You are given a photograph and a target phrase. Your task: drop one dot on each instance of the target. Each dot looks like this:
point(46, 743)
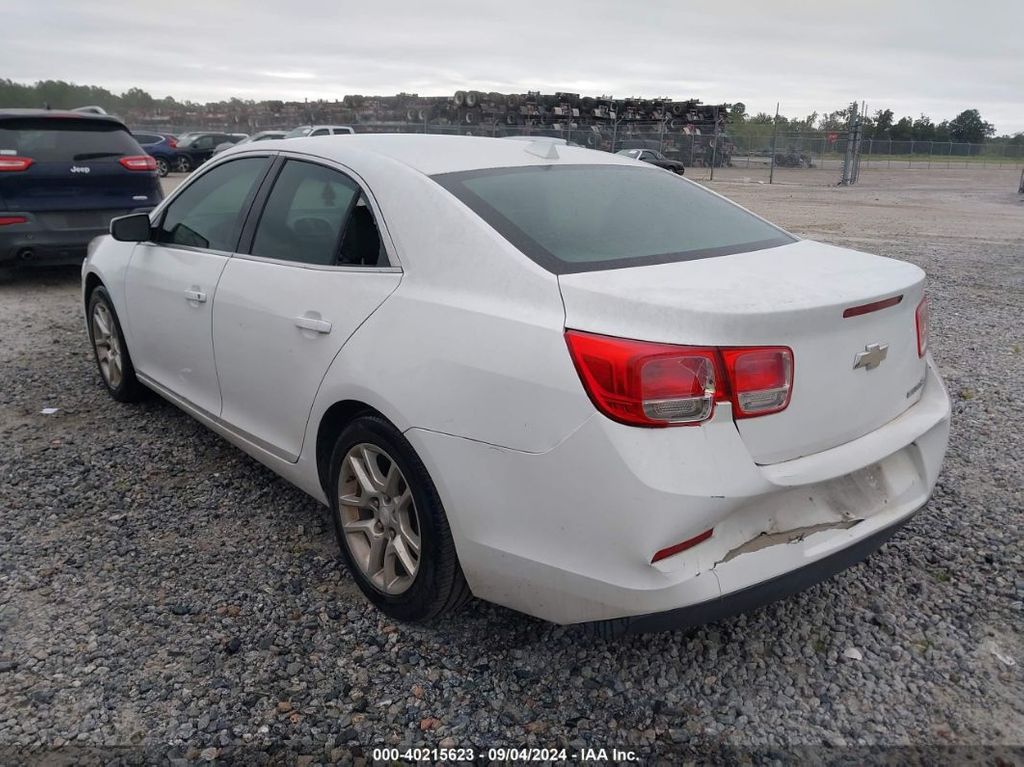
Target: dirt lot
point(159, 589)
point(980, 205)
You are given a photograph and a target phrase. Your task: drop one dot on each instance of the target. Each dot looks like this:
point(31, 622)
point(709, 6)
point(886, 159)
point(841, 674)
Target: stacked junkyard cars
point(686, 131)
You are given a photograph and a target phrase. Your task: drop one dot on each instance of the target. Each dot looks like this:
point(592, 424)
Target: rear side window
point(147, 138)
point(574, 218)
point(316, 215)
point(53, 139)
point(208, 214)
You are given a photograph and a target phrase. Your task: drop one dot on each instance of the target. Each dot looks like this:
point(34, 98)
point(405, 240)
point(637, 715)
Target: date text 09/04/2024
point(504, 754)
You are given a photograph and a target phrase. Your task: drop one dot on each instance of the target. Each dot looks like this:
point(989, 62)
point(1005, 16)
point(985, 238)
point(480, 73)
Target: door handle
point(314, 324)
point(195, 295)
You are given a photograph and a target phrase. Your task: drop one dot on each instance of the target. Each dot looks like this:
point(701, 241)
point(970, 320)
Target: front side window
point(208, 213)
point(573, 218)
point(316, 215)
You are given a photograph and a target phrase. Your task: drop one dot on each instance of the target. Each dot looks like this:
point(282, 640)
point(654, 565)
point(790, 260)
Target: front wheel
point(183, 164)
point(112, 358)
point(390, 524)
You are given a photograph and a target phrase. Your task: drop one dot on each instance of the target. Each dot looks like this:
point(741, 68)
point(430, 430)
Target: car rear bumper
point(754, 596)
point(569, 535)
point(52, 239)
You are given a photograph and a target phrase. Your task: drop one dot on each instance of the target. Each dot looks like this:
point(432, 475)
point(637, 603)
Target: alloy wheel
point(107, 343)
point(379, 519)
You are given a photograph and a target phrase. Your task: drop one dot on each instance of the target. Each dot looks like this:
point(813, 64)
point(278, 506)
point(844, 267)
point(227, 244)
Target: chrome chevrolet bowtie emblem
point(871, 357)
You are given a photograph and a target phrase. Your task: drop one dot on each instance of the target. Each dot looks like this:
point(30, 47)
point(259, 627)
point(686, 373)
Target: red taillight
point(646, 384)
point(139, 162)
point(8, 220)
point(683, 546)
point(761, 379)
point(172, 142)
point(649, 384)
point(921, 320)
point(10, 163)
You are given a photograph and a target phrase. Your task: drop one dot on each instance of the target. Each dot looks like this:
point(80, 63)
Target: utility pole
point(714, 147)
point(775, 134)
point(850, 161)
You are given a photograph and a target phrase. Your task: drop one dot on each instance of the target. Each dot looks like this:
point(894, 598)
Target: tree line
point(967, 127)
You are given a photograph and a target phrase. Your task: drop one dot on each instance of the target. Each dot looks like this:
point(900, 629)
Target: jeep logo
point(79, 169)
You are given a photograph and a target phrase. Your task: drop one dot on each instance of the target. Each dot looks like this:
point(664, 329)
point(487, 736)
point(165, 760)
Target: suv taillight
point(15, 164)
point(649, 384)
point(921, 320)
point(172, 142)
point(139, 162)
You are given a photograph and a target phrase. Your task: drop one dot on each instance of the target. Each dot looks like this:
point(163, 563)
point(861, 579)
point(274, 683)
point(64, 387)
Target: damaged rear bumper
point(751, 597)
point(569, 535)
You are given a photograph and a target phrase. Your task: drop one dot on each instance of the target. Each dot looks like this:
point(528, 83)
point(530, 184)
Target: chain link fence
point(706, 149)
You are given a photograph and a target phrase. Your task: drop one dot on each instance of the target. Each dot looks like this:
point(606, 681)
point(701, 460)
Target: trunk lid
point(795, 296)
point(55, 189)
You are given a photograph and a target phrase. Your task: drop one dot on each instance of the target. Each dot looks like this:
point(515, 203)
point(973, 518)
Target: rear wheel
point(183, 164)
point(162, 166)
point(390, 524)
point(112, 358)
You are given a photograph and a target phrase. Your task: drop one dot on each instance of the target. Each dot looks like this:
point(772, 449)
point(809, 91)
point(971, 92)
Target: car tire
point(377, 525)
point(162, 167)
point(110, 350)
point(183, 164)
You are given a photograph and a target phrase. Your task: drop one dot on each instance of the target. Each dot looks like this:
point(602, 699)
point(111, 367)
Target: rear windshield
point(574, 218)
point(60, 139)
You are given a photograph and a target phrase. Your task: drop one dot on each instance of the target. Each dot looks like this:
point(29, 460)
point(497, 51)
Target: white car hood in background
point(793, 295)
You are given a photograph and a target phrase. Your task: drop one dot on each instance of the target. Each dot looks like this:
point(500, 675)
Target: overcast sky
point(912, 56)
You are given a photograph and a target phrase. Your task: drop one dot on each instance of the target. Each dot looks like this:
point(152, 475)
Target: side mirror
point(131, 228)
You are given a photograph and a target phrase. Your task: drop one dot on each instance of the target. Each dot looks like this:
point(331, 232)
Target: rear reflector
point(689, 543)
point(874, 306)
point(921, 319)
point(761, 378)
point(139, 162)
point(14, 164)
point(8, 220)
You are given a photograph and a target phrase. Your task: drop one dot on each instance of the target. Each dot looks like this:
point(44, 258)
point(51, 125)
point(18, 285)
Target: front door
point(171, 281)
point(315, 269)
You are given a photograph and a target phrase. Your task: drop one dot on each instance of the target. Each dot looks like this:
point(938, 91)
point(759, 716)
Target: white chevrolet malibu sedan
point(561, 380)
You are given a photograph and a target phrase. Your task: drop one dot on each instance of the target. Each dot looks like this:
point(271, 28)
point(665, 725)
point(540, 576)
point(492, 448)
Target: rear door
point(171, 282)
point(72, 177)
point(313, 269)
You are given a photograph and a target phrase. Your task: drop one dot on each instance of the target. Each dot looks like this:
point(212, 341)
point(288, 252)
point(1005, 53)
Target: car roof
point(431, 154)
point(59, 114)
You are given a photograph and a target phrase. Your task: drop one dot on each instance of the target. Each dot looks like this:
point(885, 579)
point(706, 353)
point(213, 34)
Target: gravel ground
point(158, 588)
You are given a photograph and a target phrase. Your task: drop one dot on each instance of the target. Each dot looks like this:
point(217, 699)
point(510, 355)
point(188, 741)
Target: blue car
point(63, 176)
point(162, 148)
